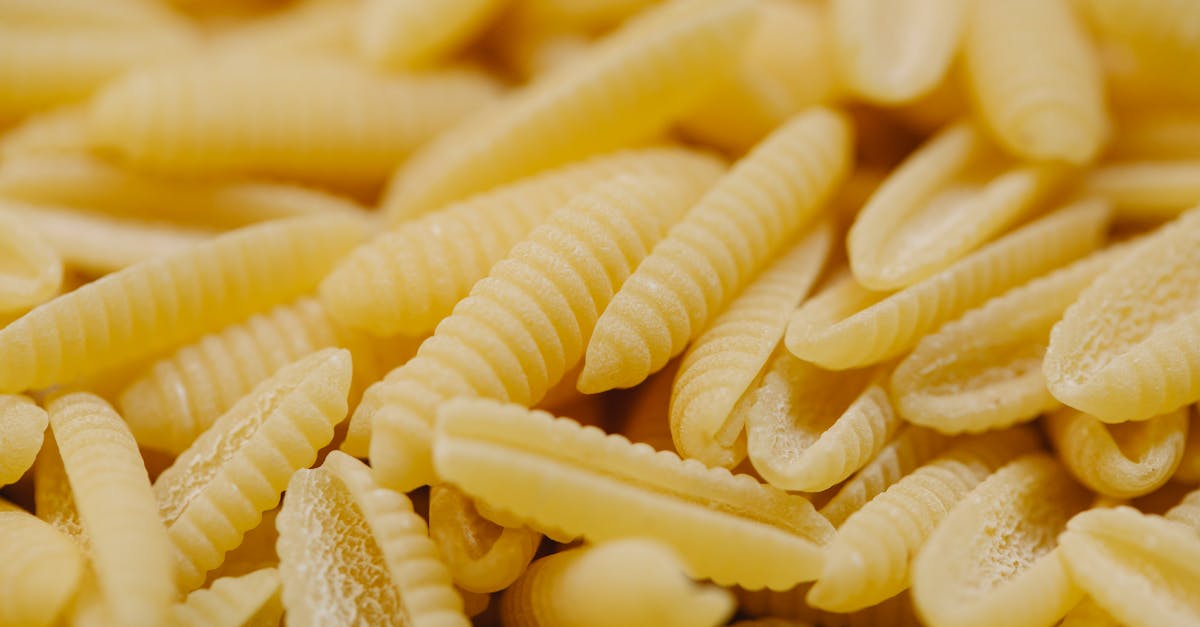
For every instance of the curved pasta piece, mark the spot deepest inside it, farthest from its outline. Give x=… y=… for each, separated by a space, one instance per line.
x=250 y=600
x=1187 y=511
x=351 y=551
x=632 y=581
x=152 y=305
x=255 y=552
x=40 y=569
x=1120 y=460
x=1035 y=80
x=724 y=240
x=31 y=270
x=738 y=531
x=524 y=326
x=1189 y=466
x=629 y=87
x=994 y=560
x=847 y=326
x=22 y=428
x=404 y=34
x=407 y=279
x=722 y=364
x=1146 y=190
x=1087 y=614
x=896 y=611
x=53 y=501
x=870 y=558
x=481 y=555
x=218 y=488
x=57 y=132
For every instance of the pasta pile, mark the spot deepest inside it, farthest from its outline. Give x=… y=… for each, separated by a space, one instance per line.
x=599 y=313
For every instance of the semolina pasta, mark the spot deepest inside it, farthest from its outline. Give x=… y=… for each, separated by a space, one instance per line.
x=251 y=599
x=1161 y=34
x=131 y=15
x=255 y=552
x=1146 y=190
x=31 y=270
x=400 y=34
x=481 y=555
x=40 y=569
x=306 y=27
x=22 y=428
x=56 y=132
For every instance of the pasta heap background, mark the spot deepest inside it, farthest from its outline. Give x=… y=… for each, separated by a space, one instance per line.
x=599 y=312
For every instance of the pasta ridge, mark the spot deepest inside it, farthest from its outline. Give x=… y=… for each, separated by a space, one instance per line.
x=244 y=600
x=40 y=568
x=1121 y=461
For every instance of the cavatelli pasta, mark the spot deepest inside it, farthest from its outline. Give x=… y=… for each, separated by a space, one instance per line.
x=40 y=569
x=717 y=248
x=152 y=305
x=22 y=428
x=400 y=34
x=1146 y=190
x=31 y=270
x=481 y=555
x=52 y=497
x=250 y=600
x=848 y=326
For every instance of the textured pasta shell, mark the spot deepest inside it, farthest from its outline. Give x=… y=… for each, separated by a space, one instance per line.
x=896 y=611
x=53 y=500
x=22 y=427
x=480 y=555
x=412 y=33
x=248 y=601
x=31 y=270
x=40 y=569
x=255 y=552
x=1146 y=190
x=725 y=527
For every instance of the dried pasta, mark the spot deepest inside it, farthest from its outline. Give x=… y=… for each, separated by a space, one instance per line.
x=22 y=428
x=250 y=600
x=59 y=131
x=31 y=270
x=1121 y=460
x=255 y=552
x=1161 y=34
x=399 y=34
x=40 y=569
x=307 y=27
x=481 y=555
x=1146 y=190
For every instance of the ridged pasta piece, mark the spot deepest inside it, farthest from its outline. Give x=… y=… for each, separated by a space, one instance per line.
x=870 y=558
x=524 y=326
x=628 y=88
x=255 y=552
x=31 y=270
x=22 y=428
x=1161 y=34
x=481 y=555
x=40 y=569
x=219 y=487
x=631 y=581
x=53 y=500
x=1189 y=466
x=896 y=611
x=1146 y=190
x=408 y=279
x=261 y=115
x=722 y=364
x=1143 y=570
x=130 y=553
x=59 y=131
x=1087 y=614
x=353 y=552
x=994 y=559
x=728 y=528
x=708 y=257
x=1035 y=81
x=1157 y=134
x=152 y=305
x=1119 y=460
x=848 y=326
x=1124 y=350
x=404 y=34
x=892 y=52
x=947 y=198
x=250 y=600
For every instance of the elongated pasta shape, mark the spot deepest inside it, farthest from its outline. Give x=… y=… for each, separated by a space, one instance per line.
x=1146 y=190
x=352 y=551
x=847 y=326
x=870 y=558
x=400 y=34
x=31 y=270
x=621 y=582
x=708 y=257
x=1123 y=350
x=307 y=27
x=1157 y=134
x=59 y=131
x=40 y=569
x=525 y=325
x=994 y=560
x=724 y=361
x=408 y=279
x=738 y=531
x=1035 y=80
x=129 y=547
x=896 y=611
x=1121 y=460
x=22 y=428
x=480 y=555
x=949 y=197
x=1189 y=466
x=251 y=600
x=628 y=88
x=150 y=306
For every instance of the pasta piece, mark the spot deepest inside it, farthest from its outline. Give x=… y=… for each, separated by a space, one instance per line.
x=724 y=361
x=408 y=279
x=585 y=15
x=629 y=87
x=1121 y=460
x=949 y=197
x=1161 y=34
x=716 y=250
x=22 y=427
x=60 y=131
x=53 y=501
x=725 y=527
x=39 y=569
x=250 y=600
x=31 y=270
x=869 y=559
x=994 y=559
x=847 y=326
x=480 y=555
x=1156 y=134
x=1146 y=190
x=1189 y=466
x=1035 y=81
x=402 y=34
x=152 y=305
x=1121 y=351
x=525 y=325
x=790 y=605
x=1187 y=511
x=351 y=551
x=1087 y=614
x=76 y=13
x=892 y=52
x=623 y=582
x=308 y=27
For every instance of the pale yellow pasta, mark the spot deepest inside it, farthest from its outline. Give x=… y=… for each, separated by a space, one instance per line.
x=255 y=552
x=722 y=364
x=1146 y=190
x=1119 y=460
x=1161 y=34
x=628 y=88
x=353 y=552
x=402 y=34
x=1157 y=134
x=250 y=600
x=1087 y=614
x=1035 y=80
x=631 y=581
x=585 y=15
x=154 y=304
x=706 y=259
x=725 y=527
x=481 y=555
x=40 y=569
x=848 y=326
x=1189 y=466
x=53 y=500
x=31 y=270
x=896 y=611
x=60 y=131
x=307 y=27
x=994 y=559
x=128 y=15
x=22 y=428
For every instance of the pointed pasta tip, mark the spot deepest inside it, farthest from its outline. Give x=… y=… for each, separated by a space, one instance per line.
x=603 y=370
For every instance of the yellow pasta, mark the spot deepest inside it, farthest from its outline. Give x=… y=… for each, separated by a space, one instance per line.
x=1121 y=460
x=60 y=131
x=40 y=569
x=1157 y=134
x=400 y=34
x=152 y=305
x=627 y=89
x=306 y=27
x=585 y=15
x=869 y=559
x=848 y=326
x=622 y=582
x=1035 y=81
x=22 y=427
x=1189 y=466
x=480 y=555
x=126 y=14
x=353 y=552
x=53 y=500
x=255 y=552
x=250 y=600
x=1146 y=190
x=1161 y=34
x=31 y=270
x=896 y=611
x=717 y=248
x=1087 y=614
x=994 y=559
x=725 y=360
x=602 y=487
